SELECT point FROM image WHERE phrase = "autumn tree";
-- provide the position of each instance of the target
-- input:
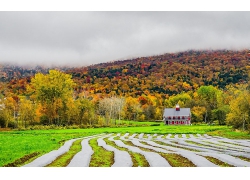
(7, 111)
(86, 111)
(197, 114)
(132, 108)
(72, 112)
(239, 115)
(53, 91)
(26, 112)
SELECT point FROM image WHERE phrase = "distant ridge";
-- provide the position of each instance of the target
(165, 74)
(169, 73)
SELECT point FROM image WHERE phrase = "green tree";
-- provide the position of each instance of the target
(182, 99)
(220, 113)
(208, 96)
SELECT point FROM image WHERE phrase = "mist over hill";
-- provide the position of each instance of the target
(169, 73)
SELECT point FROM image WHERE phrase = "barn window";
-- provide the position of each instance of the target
(178, 117)
(174, 117)
(183, 117)
(169, 117)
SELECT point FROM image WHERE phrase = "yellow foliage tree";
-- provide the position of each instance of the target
(52, 91)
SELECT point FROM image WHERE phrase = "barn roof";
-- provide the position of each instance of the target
(173, 112)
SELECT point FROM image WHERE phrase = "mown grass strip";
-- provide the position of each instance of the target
(145, 136)
(205, 145)
(240, 145)
(164, 136)
(218, 162)
(243, 158)
(218, 148)
(101, 157)
(196, 143)
(122, 134)
(224, 146)
(176, 146)
(137, 136)
(220, 145)
(64, 159)
(132, 135)
(23, 160)
(117, 138)
(151, 145)
(137, 159)
(187, 135)
(174, 160)
(172, 135)
(126, 137)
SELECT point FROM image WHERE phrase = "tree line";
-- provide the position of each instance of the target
(52, 99)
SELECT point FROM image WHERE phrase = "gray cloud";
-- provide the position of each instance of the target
(84, 38)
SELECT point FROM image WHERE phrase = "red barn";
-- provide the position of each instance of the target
(177, 116)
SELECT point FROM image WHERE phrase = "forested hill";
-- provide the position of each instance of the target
(9, 72)
(169, 73)
(166, 74)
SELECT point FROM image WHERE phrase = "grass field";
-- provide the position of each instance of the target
(17, 147)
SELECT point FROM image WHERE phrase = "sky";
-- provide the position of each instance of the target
(80, 38)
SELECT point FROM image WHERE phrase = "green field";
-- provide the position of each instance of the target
(17, 147)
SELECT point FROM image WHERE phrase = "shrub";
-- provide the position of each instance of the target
(74, 127)
(83, 126)
(12, 124)
(155, 124)
(96, 126)
(89, 126)
(2, 122)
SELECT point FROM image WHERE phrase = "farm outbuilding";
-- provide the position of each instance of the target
(177, 116)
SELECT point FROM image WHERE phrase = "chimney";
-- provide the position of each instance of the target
(177, 107)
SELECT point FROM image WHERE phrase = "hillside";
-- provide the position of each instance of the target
(169, 73)
(166, 74)
(9, 72)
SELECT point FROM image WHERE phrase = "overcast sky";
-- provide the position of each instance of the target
(88, 37)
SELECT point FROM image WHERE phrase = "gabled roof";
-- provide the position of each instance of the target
(173, 112)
